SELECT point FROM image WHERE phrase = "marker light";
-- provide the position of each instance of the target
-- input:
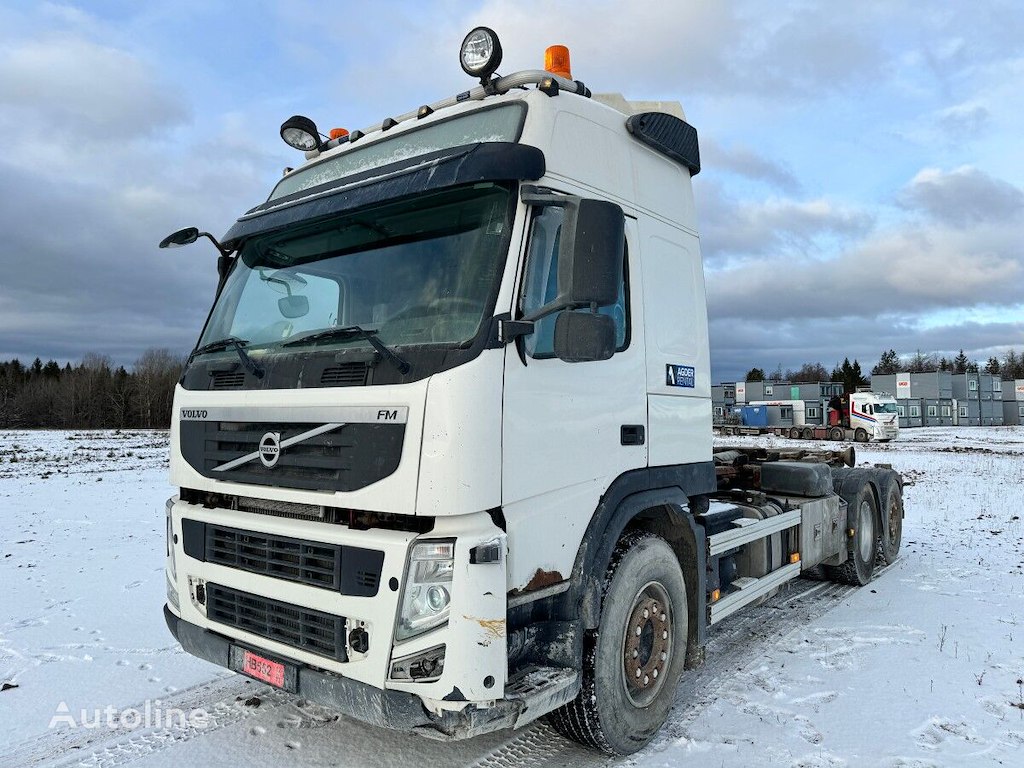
(481, 53)
(300, 133)
(556, 61)
(338, 133)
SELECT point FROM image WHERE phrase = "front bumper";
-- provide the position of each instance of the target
(396, 710)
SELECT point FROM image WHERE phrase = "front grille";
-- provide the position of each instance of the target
(294, 626)
(348, 570)
(347, 458)
(318, 565)
(345, 375)
(292, 509)
(227, 379)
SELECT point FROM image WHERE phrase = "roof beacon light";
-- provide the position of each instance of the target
(338, 133)
(556, 61)
(480, 54)
(300, 133)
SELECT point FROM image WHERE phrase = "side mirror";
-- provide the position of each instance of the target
(293, 306)
(584, 337)
(590, 253)
(181, 237)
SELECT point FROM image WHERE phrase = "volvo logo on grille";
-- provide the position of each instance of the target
(270, 449)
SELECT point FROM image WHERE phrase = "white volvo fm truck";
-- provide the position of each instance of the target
(443, 449)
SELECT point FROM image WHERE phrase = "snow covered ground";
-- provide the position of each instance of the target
(923, 667)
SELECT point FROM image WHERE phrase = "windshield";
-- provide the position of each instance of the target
(885, 407)
(419, 272)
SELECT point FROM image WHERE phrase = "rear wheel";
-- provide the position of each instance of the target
(861, 516)
(808, 433)
(836, 433)
(632, 664)
(794, 433)
(891, 534)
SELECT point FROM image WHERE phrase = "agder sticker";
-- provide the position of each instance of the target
(679, 375)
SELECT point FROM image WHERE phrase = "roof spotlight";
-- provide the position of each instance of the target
(300, 133)
(481, 53)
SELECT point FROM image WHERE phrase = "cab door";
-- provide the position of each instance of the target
(568, 429)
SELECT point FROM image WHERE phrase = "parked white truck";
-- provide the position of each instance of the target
(860, 416)
(443, 448)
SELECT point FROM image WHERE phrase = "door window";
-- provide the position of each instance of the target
(540, 285)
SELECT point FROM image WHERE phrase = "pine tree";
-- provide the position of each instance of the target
(960, 363)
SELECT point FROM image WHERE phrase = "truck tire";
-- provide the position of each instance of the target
(794, 433)
(836, 433)
(632, 663)
(862, 517)
(891, 530)
(861, 435)
(808, 433)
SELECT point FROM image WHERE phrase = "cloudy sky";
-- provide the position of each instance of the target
(862, 184)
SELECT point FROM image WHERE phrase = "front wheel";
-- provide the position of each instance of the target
(861, 435)
(632, 664)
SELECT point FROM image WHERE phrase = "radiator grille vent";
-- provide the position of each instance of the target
(227, 379)
(345, 375)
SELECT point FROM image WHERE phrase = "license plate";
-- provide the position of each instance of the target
(272, 672)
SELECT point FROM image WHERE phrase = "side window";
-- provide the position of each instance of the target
(812, 413)
(900, 411)
(997, 385)
(786, 412)
(540, 285)
(946, 410)
(963, 411)
(972, 384)
(769, 390)
(933, 410)
(915, 410)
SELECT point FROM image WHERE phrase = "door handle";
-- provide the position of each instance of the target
(631, 434)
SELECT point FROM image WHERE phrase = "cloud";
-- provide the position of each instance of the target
(79, 89)
(773, 227)
(963, 196)
(743, 161)
(964, 121)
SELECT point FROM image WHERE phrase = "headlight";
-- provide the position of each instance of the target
(480, 54)
(426, 597)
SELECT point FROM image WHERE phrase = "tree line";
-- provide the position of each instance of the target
(1010, 366)
(92, 395)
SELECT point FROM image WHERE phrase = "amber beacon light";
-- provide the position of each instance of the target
(556, 61)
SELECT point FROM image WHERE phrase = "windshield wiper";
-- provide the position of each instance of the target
(353, 332)
(239, 347)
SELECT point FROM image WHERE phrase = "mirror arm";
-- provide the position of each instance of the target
(222, 249)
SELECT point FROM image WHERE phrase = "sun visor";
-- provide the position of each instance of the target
(487, 161)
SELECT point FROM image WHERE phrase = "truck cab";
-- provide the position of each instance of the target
(443, 449)
(876, 413)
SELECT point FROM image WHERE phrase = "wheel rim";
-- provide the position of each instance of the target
(647, 644)
(895, 519)
(865, 543)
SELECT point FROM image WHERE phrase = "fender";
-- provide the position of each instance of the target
(879, 479)
(556, 624)
(679, 492)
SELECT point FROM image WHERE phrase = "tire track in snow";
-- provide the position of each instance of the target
(733, 647)
(103, 747)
